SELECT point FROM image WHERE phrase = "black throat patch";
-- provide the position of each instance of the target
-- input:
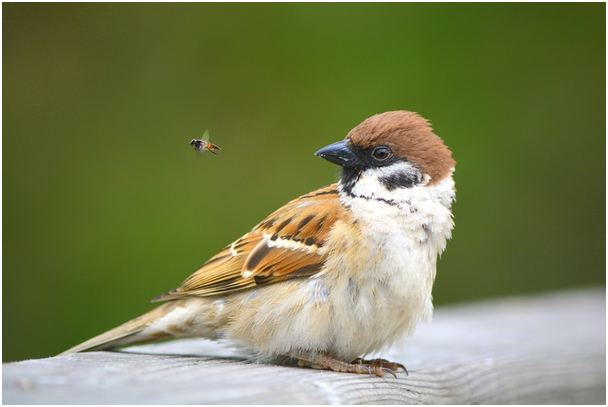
(349, 178)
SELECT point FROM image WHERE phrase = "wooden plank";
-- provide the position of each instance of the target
(545, 349)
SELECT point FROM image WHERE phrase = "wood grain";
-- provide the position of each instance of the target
(544, 349)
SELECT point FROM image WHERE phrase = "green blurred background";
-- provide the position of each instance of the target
(105, 205)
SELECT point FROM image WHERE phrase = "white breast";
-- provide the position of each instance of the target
(382, 290)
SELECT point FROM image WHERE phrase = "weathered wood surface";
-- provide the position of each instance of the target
(546, 349)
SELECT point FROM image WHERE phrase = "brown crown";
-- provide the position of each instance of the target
(410, 136)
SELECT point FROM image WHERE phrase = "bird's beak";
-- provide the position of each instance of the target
(339, 153)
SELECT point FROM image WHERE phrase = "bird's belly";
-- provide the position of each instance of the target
(371, 315)
(343, 319)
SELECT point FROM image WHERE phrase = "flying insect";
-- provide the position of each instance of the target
(203, 144)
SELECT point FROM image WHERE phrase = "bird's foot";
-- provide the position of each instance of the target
(378, 367)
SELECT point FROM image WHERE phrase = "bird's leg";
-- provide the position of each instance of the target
(359, 366)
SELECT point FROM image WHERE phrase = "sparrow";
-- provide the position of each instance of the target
(332, 276)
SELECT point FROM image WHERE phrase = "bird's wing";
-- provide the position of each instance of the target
(287, 244)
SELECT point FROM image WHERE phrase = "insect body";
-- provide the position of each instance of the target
(203, 144)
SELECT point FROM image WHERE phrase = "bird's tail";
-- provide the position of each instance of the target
(128, 333)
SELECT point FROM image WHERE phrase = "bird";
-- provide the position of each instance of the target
(332, 276)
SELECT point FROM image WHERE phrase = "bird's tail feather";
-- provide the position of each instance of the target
(128, 333)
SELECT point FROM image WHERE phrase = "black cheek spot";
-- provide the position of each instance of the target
(401, 180)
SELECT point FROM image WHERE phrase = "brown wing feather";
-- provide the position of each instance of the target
(287, 244)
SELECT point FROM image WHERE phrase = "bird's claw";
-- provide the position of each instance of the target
(382, 363)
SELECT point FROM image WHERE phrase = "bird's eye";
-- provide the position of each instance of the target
(382, 153)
